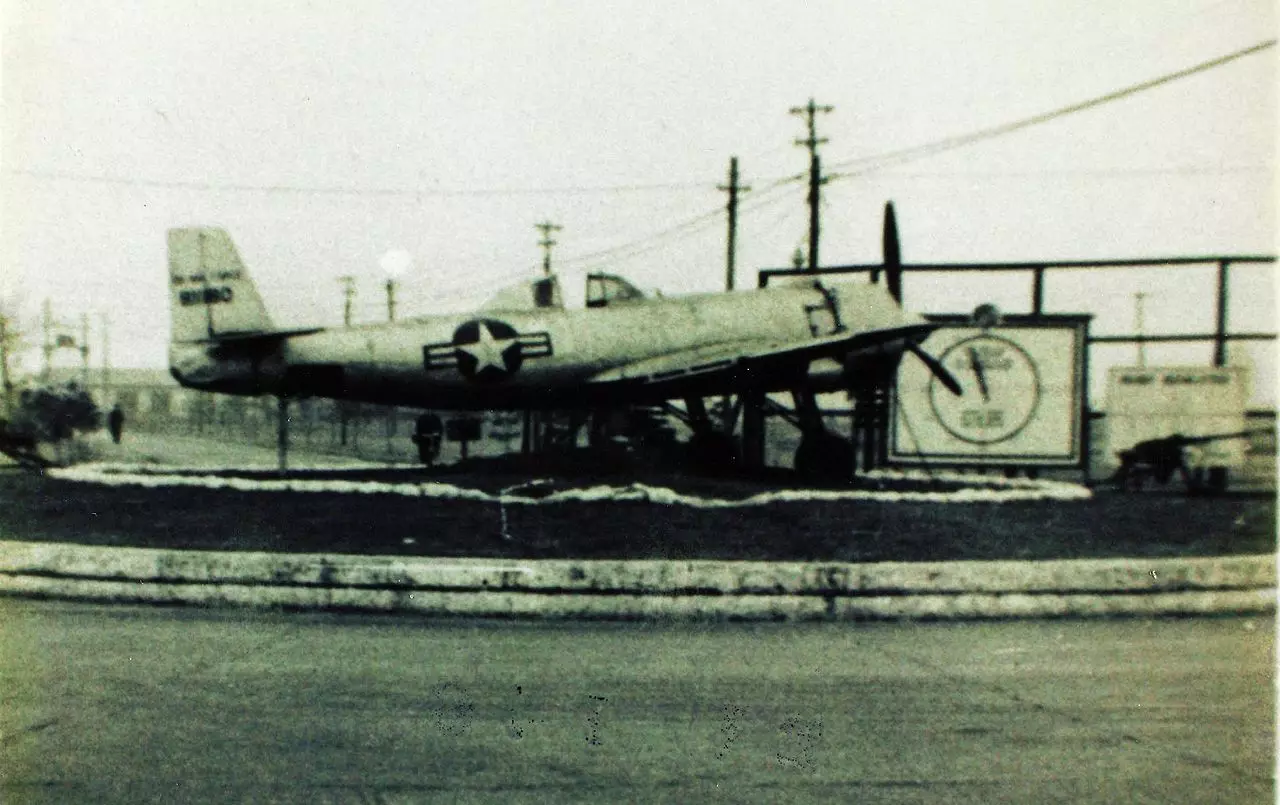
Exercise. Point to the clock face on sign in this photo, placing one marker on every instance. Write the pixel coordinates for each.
(1001, 390)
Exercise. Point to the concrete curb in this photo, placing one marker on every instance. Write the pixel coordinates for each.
(644, 588)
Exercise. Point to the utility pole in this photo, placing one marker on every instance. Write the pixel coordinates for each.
(733, 189)
(1139, 300)
(348, 297)
(344, 407)
(5, 384)
(534, 423)
(47, 326)
(547, 228)
(106, 353)
(810, 112)
(84, 351)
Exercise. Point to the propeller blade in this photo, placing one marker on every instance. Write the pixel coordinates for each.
(892, 254)
(939, 371)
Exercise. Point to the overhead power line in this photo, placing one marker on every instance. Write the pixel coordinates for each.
(762, 198)
(343, 190)
(902, 155)
(878, 161)
(1122, 173)
(886, 159)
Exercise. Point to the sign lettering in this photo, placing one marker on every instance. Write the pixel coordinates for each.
(980, 418)
(205, 296)
(1180, 379)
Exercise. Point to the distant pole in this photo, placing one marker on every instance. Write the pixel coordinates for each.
(47, 325)
(391, 317)
(531, 439)
(1140, 323)
(5, 384)
(733, 189)
(348, 297)
(106, 352)
(547, 228)
(394, 263)
(84, 351)
(810, 112)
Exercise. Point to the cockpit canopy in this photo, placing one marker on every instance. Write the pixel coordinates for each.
(534, 294)
(542, 293)
(604, 290)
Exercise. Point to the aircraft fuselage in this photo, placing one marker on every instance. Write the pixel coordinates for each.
(550, 357)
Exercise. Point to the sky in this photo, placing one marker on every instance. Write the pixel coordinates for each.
(325, 135)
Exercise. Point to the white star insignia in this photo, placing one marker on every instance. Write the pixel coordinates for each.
(488, 351)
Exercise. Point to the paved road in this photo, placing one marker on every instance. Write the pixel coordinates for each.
(131, 704)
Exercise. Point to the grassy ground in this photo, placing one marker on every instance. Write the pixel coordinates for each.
(36, 507)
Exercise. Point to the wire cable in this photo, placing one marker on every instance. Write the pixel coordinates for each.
(844, 169)
(341, 190)
(874, 162)
(862, 165)
(680, 231)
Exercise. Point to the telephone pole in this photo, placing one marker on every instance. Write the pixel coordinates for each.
(348, 297)
(1139, 310)
(84, 350)
(106, 352)
(547, 228)
(346, 408)
(534, 425)
(5, 384)
(733, 189)
(810, 112)
(47, 326)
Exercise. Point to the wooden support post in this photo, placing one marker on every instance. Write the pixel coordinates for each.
(698, 419)
(282, 433)
(1220, 330)
(865, 415)
(753, 430)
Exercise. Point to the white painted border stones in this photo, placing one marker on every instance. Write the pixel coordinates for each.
(644, 588)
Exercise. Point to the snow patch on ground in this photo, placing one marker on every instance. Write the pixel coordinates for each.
(972, 489)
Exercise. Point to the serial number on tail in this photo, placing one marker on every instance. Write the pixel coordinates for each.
(205, 296)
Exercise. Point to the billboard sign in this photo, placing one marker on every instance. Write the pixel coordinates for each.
(1023, 402)
(1154, 402)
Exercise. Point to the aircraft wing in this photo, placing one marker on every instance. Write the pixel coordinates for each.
(257, 337)
(744, 361)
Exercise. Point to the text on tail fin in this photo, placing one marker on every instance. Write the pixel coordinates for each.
(211, 294)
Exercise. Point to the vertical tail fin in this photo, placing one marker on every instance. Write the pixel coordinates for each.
(211, 293)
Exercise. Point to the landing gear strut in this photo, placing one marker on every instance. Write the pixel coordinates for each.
(428, 432)
(821, 454)
(710, 450)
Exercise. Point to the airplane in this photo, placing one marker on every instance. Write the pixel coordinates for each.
(523, 350)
